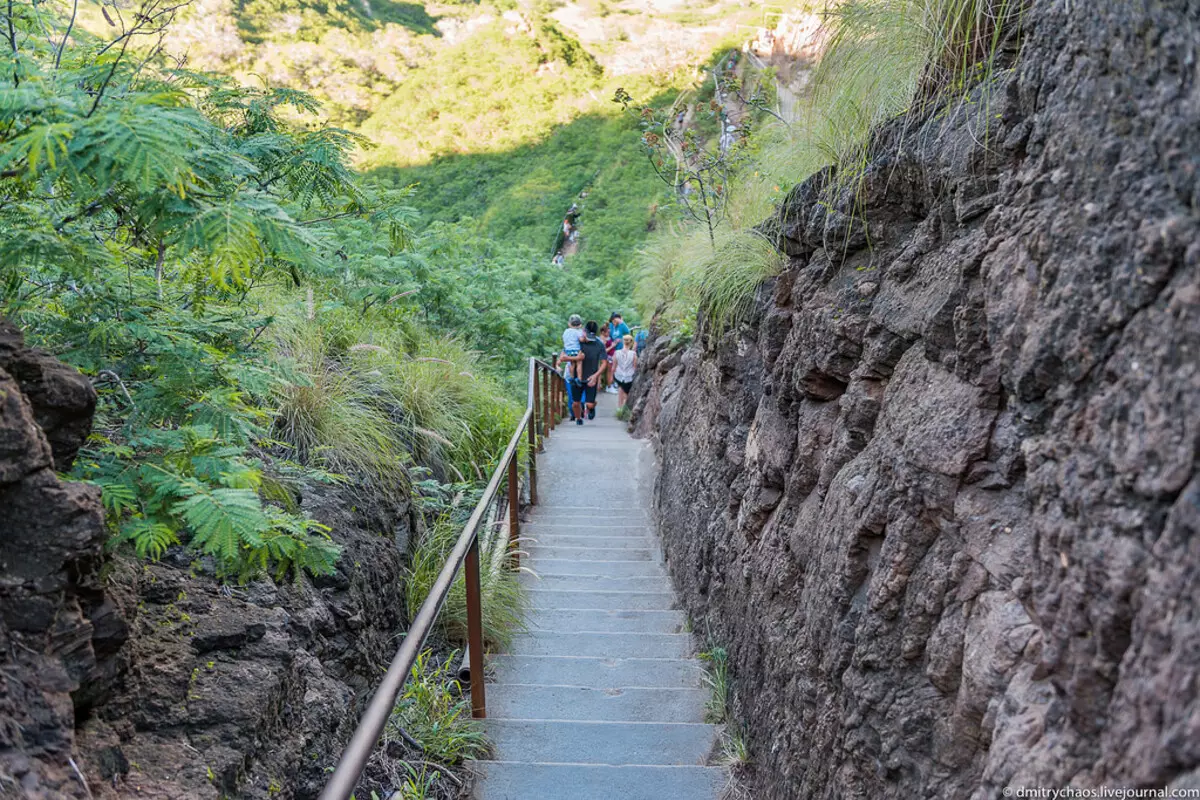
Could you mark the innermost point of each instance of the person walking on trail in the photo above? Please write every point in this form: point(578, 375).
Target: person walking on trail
point(610, 347)
point(617, 331)
point(625, 363)
point(617, 328)
point(592, 369)
point(570, 357)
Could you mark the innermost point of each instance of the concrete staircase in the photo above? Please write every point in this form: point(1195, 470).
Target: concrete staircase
point(602, 699)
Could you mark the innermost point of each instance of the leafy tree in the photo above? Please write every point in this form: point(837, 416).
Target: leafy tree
point(140, 205)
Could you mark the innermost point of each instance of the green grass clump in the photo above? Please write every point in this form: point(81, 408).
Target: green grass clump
point(503, 597)
point(432, 710)
point(684, 273)
point(725, 281)
point(327, 416)
point(716, 677)
point(735, 749)
point(452, 415)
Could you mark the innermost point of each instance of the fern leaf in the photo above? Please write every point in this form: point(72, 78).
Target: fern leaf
point(149, 538)
point(117, 497)
point(223, 520)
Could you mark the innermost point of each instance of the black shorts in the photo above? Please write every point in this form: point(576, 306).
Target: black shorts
point(582, 393)
point(626, 386)
point(588, 392)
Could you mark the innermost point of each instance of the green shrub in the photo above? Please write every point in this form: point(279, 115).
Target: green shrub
point(503, 597)
point(431, 709)
point(328, 416)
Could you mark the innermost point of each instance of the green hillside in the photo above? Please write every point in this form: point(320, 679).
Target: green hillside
point(497, 113)
point(298, 242)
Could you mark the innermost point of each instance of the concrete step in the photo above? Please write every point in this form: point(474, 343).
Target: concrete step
point(616, 544)
point(627, 601)
point(585, 527)
point(605, 645)
point(619, 507)
point(512, 780)
point(605, 583)
point(599, 492)
point(607, 621)
point(617, 510)
point(583, 490)
point(572, 742)
point(600, 673)
point(632, 704)
point(616, 568)
point(588, 553)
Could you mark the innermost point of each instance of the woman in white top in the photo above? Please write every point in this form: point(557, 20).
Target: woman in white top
point(625, 366)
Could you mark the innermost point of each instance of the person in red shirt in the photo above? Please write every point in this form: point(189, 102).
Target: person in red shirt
point(610, 347)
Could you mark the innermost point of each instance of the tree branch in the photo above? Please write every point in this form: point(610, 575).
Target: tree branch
point(113, 377)
point(66, 35)
point(12, 40)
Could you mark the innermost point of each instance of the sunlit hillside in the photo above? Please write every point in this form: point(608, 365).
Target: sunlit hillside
point(502, 113)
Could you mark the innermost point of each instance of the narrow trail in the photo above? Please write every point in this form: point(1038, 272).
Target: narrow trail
point(603, 697)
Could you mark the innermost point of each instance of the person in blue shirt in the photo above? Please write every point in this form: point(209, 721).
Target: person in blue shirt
point(617, 328)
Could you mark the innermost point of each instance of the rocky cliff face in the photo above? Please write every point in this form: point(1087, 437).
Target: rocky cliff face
point(154, 680)
point(247, 691)
point(56, 627)
point(940, 496)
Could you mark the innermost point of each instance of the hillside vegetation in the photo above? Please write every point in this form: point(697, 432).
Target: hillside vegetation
point(883, 62)
point(501, 113)
point(272, 286)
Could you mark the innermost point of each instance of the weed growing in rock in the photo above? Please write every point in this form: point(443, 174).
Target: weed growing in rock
point(716, 660)
point(419, 783)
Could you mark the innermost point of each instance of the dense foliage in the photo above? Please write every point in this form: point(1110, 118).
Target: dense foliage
point(254, 314)
point(500, 116)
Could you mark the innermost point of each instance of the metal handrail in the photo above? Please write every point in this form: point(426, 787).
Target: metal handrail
point(543, 407)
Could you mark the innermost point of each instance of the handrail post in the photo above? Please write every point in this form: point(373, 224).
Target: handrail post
point(514, 506)
point(556, 413)
point(475, 632)
point(533, 451)
point(553, 415)
point(543, 423)
point(552, 379)
point(538, 441)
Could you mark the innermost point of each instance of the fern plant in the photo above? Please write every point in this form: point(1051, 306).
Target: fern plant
point(141, 206)
point(205, 492)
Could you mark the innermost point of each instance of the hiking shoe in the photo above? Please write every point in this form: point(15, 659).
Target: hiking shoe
point(591, 414)
point(579, 421)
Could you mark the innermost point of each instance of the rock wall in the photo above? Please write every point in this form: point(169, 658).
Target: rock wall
point(939, 497)
point(154, 680)
point(56, 627)
point(249, 691)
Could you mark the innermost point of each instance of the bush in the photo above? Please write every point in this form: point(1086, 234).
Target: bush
point(431, 710)
point(504, 600)
point(328, 416)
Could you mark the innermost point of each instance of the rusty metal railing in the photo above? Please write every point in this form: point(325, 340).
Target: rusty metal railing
point(544, 404)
